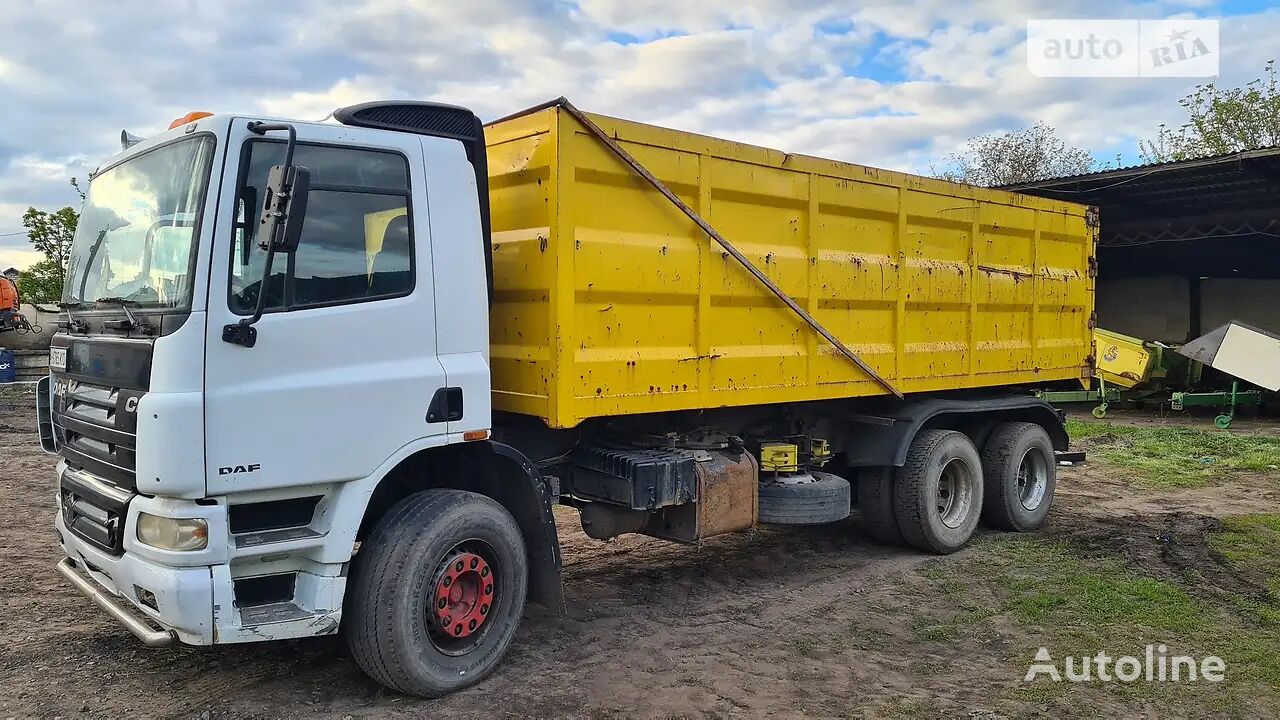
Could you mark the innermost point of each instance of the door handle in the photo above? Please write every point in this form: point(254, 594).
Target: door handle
point(446, 405)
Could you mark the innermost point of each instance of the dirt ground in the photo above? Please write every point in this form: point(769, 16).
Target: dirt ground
point(803, 622)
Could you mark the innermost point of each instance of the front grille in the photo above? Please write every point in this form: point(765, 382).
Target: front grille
point(94, 510)
point(95, 426)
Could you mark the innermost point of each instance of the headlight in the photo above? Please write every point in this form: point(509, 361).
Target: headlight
point(173, 533)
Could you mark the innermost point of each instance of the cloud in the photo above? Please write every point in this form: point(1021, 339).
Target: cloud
point(882, 83)
point(18, 257)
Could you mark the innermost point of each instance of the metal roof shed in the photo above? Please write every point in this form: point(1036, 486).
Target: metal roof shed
point(1184, 245)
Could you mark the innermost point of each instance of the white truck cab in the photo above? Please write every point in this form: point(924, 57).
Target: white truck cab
point(214, 490)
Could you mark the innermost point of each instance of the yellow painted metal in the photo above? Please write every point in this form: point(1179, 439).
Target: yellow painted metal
point(779, 457)
point(609, 301)
point(819, 452)
point(1122, 360)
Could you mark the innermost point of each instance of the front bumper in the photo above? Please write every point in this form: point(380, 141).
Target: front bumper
point(144, 632)
point(183, 597)
point(191, 596)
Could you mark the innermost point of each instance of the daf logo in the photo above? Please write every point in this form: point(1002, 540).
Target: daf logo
point(131, 405)
point(238, 469)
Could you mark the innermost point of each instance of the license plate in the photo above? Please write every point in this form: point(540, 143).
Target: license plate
point(58, 358)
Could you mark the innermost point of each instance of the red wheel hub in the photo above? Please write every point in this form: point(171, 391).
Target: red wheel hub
point(464, 594)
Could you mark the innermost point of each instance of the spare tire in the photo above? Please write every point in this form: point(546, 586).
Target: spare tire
point(824, 499)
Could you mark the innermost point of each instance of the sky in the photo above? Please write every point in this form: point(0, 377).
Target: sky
point(895, 85)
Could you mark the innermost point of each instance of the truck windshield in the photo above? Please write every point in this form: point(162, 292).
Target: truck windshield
point(136, 237)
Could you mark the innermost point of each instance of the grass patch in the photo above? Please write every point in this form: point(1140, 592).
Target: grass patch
point(912, 709)
point(1251, 544)
point(928, 628)
point(1176, 456)
point(1051, 585)
point(804, 645)
point(1077, 605)
point(1024, 592)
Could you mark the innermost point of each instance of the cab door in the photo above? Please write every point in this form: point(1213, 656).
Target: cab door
point(345, 362)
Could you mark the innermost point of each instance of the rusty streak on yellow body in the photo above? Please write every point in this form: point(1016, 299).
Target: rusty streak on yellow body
point(609, 301)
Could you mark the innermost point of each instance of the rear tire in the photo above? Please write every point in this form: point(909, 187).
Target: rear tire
point(876, 515)
point(1021, 476)
point(938, 495)
point(826, 499)
point(425, 547)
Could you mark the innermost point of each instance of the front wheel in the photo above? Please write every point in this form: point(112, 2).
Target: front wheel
point(436, 592)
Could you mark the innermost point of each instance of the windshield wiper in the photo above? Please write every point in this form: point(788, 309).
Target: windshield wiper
point(132, 321)
point(74, 324)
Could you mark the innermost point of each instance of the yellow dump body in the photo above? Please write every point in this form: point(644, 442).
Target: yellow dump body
point(608, 301)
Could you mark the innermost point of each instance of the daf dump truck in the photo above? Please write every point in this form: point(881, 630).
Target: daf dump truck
point(332, 377)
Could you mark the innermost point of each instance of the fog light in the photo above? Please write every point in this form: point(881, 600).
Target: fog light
point(146, 597)
point(173, 533)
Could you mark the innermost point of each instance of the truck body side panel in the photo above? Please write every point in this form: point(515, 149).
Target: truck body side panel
point(522, 207)
point(610, 302)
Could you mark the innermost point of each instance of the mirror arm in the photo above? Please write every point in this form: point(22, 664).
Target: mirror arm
point(243, 332)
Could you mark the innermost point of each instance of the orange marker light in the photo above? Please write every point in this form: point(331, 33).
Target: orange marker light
point(189, 118)
point(473, 435)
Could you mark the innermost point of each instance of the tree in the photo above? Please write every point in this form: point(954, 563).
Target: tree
point(1034, 153)
point(51, 233)
point(41, 283)
point(1221, 121)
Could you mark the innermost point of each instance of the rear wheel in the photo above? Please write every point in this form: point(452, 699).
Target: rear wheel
point(436, 592)
point(1021, 476)
point(876, 514)
point(938, 495)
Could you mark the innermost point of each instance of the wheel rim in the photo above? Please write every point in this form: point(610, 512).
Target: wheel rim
point(464, 589)
point(1033, 478)
point(955, 493)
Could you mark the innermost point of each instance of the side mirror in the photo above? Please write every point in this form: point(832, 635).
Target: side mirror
point(284, 208)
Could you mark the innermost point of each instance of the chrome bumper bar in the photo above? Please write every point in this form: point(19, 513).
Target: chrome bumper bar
point(115, 608)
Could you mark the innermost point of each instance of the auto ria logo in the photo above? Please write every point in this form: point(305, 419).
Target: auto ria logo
point(1182, 46)
point(1122, 48)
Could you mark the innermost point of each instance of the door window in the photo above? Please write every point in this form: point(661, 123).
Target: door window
point(357, 239)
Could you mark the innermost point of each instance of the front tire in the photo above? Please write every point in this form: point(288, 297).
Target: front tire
point(436, 592)
point(1021, 476)
point(938, 497)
